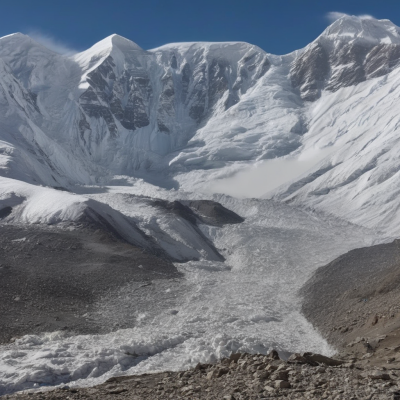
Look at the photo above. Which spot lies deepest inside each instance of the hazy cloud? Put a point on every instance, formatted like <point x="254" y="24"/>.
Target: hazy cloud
<point x="52" y="43"/>
<point x="334" y="15"/>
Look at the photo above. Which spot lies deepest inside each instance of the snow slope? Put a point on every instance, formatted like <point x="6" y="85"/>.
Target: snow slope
<point x="360" y="178"/>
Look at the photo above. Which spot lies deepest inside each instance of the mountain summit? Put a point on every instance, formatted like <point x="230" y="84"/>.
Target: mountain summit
<point x="359" y="28"/>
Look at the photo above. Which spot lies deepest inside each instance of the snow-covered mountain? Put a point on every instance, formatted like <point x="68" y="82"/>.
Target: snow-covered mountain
<point x="185" y="113"/>
<point x="114" y="108"/>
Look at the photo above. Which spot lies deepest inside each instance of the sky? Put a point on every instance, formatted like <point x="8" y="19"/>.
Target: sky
<point x="277" y="26"/>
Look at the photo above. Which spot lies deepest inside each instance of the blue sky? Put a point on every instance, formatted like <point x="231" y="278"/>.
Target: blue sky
<point x="277" y="26"/>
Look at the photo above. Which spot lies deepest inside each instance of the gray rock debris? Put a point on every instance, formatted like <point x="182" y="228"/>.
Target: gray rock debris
<point x="244" y="376"/>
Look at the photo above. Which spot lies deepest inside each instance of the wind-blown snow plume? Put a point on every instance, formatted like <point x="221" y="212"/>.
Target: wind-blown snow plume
<point x="52" y="43"/>
<point x="332" y="16"/>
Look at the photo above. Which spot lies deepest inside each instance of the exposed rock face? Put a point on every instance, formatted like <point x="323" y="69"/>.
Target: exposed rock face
<point x="192" y="81"/>
<point x="348" y="52"/>
<point x="166" y="110"/>
<point x="213" y="213"/>
<point x="124" y="96"/>
<point x="205" y="75"/>
<point x="309" y="72"/>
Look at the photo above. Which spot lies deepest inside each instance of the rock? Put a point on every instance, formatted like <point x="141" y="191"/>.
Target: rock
<point x="321" y="382"/>
<point x="269" y="390"/>
<point x="306" y="382"/>
<point x="273" y="354"/>
<point x="235" y="357"/>
<point x="261" y="375"/>
<point x="378" y="375"/>
<point x="357" y="340"/>
<point x="258" y="388"/>
<point x="367" y="355"/>
<point x="211" y="375"/>
<point x="271" y="368"/>
<point x="187" y="389"/>
<point x="297" y="358"/>
<point x="117" y="390"/>
<point x="200" y="367"/>
<point x="349" y="365"/>
<point x="276" y="363"/>
<point x="282" y="367"/>
<point x="282" y="384"/>
<point x="217" y="373"/>
<point x="222" y="371"/>
<point x="280" y="376"/>
<point x="315" y="359"/>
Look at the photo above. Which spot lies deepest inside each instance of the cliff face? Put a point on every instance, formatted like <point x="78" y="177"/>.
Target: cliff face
<point x="348" y="52"/>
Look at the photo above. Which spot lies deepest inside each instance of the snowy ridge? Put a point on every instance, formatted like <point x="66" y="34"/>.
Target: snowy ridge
<point x="134" y="218"/>
<point x="368" y="29"/>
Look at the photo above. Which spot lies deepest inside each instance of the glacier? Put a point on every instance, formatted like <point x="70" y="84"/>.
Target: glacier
<point x="248" y="302"/>
<point x="117" y="126"/>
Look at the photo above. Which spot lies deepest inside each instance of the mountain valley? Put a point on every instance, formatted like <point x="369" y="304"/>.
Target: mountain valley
<point x="129" y="245"/>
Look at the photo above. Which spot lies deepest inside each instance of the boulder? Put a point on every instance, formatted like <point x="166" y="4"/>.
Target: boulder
<point x="378" y="375"/>
<point x="316" y="359"/>
<point x="282" y="384"/>
<point x="273" y="354"/>
<point x="297" y="358"/>
<point x="235" y="357"/>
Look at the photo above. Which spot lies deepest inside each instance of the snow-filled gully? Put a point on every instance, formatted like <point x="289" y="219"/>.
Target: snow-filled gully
<point x="247" y="303"/>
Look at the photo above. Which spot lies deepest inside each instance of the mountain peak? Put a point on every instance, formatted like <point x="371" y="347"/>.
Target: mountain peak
<point x="14" y="35"/>
<point x="16" y="43"/>
<point x="351" y="27"/>
<point x="17" y="38"/>
<point x="114" y="44"/>
<point x="115" y="41"/>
